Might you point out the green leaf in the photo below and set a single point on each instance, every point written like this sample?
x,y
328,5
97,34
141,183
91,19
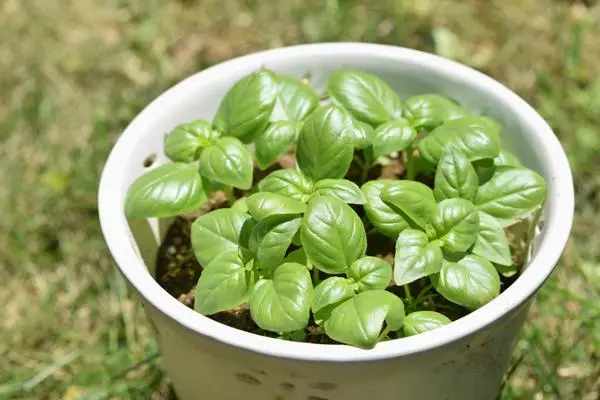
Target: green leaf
x,y
295,99
506,158
325,145
475,137
370,273
456,222
512,192
328,295
423,321
245,110
333,235
165,191
216,233
240,205
431,110
414,199
392,136
366,96
343,189
415,257
282,304
359,320
274,236
471,282
224,284
297,256
229,161
455,176
264,204
274,142
491,242
363,134
185,141
287,182
383,217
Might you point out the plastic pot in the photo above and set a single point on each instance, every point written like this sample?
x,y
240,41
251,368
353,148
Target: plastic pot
x,y
207,360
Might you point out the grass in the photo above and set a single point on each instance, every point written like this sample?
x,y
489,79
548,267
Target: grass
x,y
74,72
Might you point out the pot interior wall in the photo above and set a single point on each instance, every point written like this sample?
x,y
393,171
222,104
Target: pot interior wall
x,y
202,99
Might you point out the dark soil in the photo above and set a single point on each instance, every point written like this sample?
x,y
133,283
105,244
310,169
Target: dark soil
x,y
178,271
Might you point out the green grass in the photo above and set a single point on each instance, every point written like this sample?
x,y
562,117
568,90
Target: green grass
x,y
74,72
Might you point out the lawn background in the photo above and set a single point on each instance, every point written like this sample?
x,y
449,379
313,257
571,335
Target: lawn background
x,y
73,73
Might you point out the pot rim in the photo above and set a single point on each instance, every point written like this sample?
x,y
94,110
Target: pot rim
x,y
558,216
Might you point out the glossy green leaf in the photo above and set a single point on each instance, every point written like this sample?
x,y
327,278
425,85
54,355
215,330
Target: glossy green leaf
x,y
505,157
415,257
216,233
165,191
366,96
423,321
333,235
412,198
428,111
274,142
456,222
282,304
511,192
491,242
359,320
475,137
329,294
185,141
325,145
363,134
387,221
240,205
297,256
224,284
343,189
245,110
276,240
396,135
455,176
295,99
287,182
229,161
370,273
471,282
264,204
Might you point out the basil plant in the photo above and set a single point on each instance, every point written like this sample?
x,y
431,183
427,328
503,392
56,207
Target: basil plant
x,y
293,247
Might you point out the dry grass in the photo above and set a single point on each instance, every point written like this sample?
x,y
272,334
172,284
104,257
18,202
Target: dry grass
x,y
74,72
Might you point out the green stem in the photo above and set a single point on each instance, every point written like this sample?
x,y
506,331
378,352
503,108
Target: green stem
x,y
407,293
410,164
229,192
360,162
365,171
423,292
316,277
384,334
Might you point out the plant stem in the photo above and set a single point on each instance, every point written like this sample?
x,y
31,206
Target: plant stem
x,y
365,171
315,275
423,292
407,293
384,333
229,192
360,162
410,164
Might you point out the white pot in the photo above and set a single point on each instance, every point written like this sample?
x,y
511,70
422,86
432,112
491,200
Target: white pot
x,y
464,360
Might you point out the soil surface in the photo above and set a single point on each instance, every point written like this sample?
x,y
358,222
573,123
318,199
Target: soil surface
x,y
178,271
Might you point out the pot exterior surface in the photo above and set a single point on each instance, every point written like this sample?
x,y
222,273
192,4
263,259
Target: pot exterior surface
x,y
464,360
471,369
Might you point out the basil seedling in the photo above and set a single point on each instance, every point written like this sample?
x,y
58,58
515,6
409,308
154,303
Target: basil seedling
x,y
330,242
